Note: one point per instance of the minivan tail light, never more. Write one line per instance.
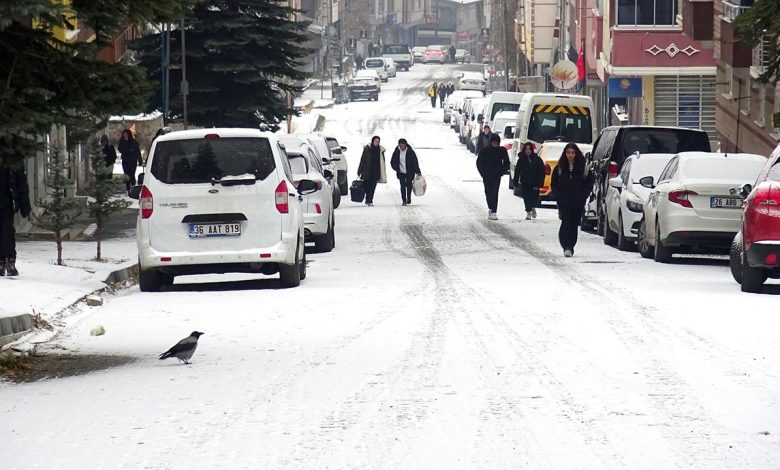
(681, 197)
(318, 208)
(211, 136)
(613, 170)
(146, 202)
(282, 198)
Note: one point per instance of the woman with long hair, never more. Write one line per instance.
(571, 183)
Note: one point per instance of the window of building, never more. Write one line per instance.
(647, 12)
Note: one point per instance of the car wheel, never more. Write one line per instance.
(166, 279)
(290, 274)
(645, 250)
(610, 237)
(752, 278)
(303, 267)
(662, 253)
(622, 242)
(150, 280)
(600, 223)
(735, 258)
(324, 243)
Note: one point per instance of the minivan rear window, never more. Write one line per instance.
(654, 140)
(395, 49)
(373, 63)
(503, 107)
(190, 161)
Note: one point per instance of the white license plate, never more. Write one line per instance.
(726, 202)
(215, 230)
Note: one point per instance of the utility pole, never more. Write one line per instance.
(185, 87)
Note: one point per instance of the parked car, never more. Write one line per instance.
(456, 114)
(504, 126)
(319, 144)
(616, 143)
(472, 115)
(318, 211)
(755, 252)
(475, 123)
(417, 53)
(338, 155)
(400, 53)
(462, 56)
(436, 54)
(378, 65)
(471, 81)
(390, 67)
(550, 153)
(626, 197)
(451, 101)
(217, 201)
(695, 205)
(365, 85)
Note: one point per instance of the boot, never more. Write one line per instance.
(10, 267)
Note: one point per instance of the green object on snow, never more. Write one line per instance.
(98, 331)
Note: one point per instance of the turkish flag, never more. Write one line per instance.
(581, 63)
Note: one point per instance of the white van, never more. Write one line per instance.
(501, 101)
(378, 65)
(219, 201)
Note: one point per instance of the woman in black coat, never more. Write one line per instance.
(131, 156)
(404, 162)
(571, 183)
(529, 173)
(14, 197)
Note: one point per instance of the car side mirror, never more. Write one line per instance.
(646, 182)
(616, 182)
(335, 159)
(134, 192)
(745, 190)
(306, 187)
(343, 148)
(140, 179)
(327, 174)
(326, 161)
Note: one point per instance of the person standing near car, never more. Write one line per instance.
(372, 168)
(432, 94)
(14, 197)
(404, 162)
(483, 141)
(131, 156)
(529, 174)
(571, 184)
(492, 163)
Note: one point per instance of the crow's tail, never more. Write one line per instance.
(165, 355)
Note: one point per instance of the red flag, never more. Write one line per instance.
(581, 63)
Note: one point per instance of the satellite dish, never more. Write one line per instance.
(564, 75)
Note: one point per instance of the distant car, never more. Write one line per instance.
(452, 100)
(319, 144)
(217, 201)
(339, 156)
(755, 252)
(390, 67)
(695, 206)
(378, 65)
(417, 52)
(436, 54)
(400, 53)
(471, 81)
(365, 85)
(462, 56)
(626, 197)
(504, 126)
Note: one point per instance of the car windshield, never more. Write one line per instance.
(774, 172)
(654, 140)
(395, 49)
(552, 125)
(298, 163)
(193, 161)
(375, 63)
(723, 168)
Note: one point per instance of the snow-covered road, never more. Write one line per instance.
(429, 338)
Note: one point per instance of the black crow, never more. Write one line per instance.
(184, 349)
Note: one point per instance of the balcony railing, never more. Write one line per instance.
(761, 57)
(732, 10)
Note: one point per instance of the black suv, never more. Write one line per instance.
(616, 143)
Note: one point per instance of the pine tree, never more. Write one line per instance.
(241, 57)
(762, 22)
(59, 211)
(104, 202)
(45, 81)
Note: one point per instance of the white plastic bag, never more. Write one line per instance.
(419, 185)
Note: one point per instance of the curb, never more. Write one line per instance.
(15, 327)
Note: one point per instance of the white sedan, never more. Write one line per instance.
(696, 203)
(626, 197)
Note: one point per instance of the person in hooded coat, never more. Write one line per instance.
(483, 140)
(571, 183)
(404, 162)
(131, 156)
(14, 197)
(529, 174)
(109, 152)
(492, 164)
(372, 168)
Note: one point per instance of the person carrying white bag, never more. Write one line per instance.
(407, 168)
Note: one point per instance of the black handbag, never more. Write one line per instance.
(356, 191)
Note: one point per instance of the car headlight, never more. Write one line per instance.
(635, 205)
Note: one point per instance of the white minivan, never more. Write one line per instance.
(379, 65)
(218, 201)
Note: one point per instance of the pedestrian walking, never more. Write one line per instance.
(109, 153)
(529, 174)
(406, 165)
(571, 184)
(442, 93)
(372, 168)
(483, 141)
(492, 163)
(14, 197)
(131, 156)
(432, 94)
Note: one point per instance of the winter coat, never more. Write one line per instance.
(492, 162)
(366, 168)
(131, 152)
(14, 191)
(109, 155)
(572, 188)
(483, 141)
(412, 164)
(529, 171)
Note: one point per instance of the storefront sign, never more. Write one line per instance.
(625, 87)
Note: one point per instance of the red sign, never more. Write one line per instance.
(431, 20)
(464, 37)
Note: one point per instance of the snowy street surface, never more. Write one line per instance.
(430, 338)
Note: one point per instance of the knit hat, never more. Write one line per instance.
(495, 138)
(402, 141)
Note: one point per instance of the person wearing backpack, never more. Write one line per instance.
(571, 184)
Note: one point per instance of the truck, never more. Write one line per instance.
(400, 53)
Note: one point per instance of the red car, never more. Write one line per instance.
(435, 54)
(755, 252)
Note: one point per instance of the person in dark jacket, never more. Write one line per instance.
(109, 152)
(492, 163)
(483, 140)
(372, 168)
(14, 197)
(404, 162)
(442, 90)
(131, 156)
(571, 184)
(529, 174)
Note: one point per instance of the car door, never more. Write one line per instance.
(614, 197)
(659, 197)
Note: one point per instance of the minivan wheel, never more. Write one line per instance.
(337, 198)
(752, 278)
(324, 243)
(290, 274)
(610, 237)
(150, 280)
(662, 254)
(645, 250)
(302, 268)
(735, 258)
